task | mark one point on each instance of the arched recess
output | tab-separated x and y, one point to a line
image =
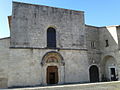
53	68
109	69
94	73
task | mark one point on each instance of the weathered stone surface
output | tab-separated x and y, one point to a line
34	20
79	47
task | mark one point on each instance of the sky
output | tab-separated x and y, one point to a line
97	12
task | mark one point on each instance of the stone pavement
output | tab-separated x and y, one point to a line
92	86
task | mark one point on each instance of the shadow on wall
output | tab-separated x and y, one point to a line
118	34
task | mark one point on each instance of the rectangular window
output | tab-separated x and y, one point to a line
107	43
93	44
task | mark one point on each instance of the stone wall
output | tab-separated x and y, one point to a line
22	67
111	51
118	34
25	67
92	35
108	33
30	24
92	43
80	46
4	62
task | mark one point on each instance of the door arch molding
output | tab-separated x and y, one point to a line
55	54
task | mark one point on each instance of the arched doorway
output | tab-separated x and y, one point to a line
53	68
52	75
94	74
109	69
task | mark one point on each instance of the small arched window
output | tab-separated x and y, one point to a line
51	37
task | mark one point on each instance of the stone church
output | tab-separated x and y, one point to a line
49	46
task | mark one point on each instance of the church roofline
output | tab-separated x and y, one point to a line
110	26
91	26
103	26
4	38
47	6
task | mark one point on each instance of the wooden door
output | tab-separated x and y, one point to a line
52	75
94	74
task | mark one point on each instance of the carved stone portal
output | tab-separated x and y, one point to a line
52	57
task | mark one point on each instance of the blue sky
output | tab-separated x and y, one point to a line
97	12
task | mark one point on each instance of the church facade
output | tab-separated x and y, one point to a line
49	45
